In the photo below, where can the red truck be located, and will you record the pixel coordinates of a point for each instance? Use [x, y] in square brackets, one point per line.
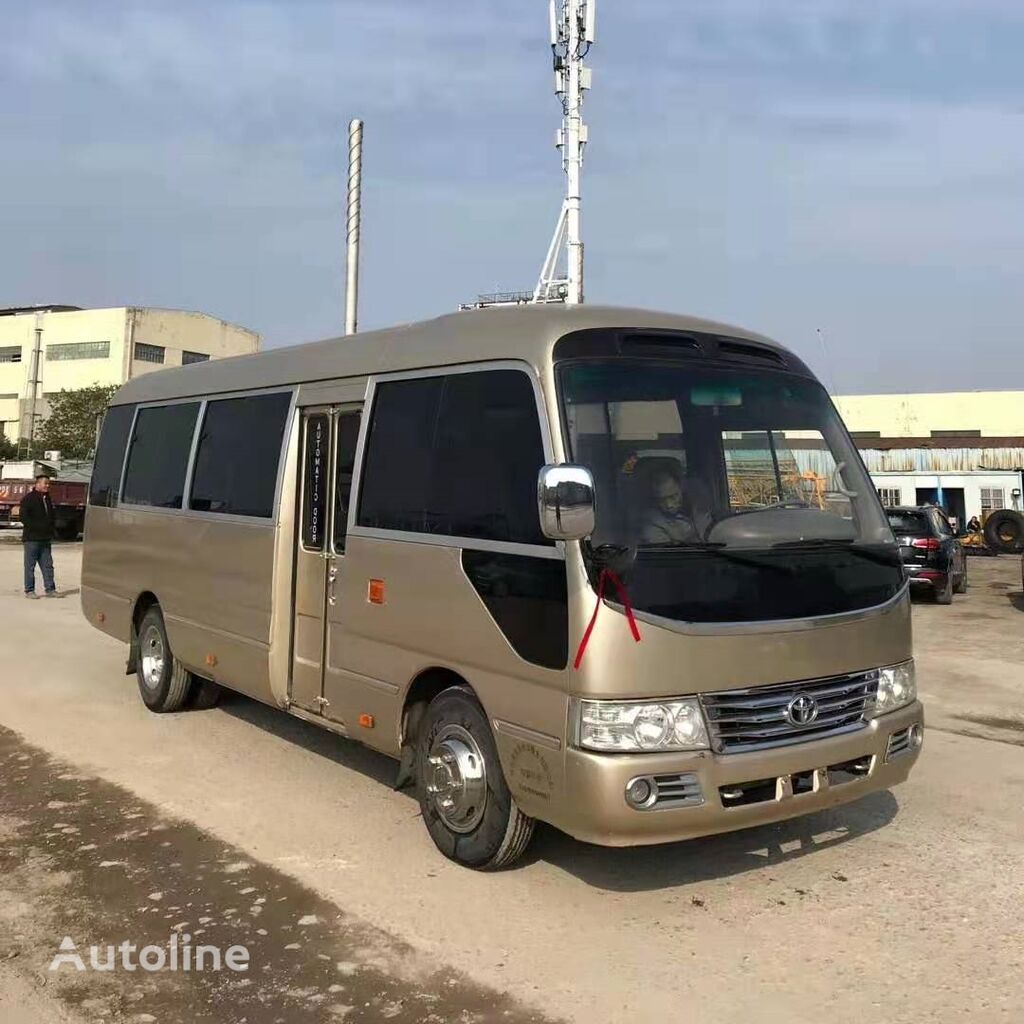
[68, 497]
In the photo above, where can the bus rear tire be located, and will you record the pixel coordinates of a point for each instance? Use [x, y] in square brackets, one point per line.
[163, 683]
[466, 803]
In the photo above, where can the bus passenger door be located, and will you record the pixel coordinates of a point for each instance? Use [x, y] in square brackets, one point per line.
[343, 460]
[329, 439]
[311, 553]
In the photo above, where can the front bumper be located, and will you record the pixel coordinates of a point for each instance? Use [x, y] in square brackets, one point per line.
[596, 810]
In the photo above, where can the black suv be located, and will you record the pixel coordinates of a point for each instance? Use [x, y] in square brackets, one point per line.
[932, 556]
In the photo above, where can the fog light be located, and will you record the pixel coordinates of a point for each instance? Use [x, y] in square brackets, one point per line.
[916, 736]
[639, 792]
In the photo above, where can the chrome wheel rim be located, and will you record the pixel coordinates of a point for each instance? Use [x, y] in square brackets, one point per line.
[456, 779]
[151, 647]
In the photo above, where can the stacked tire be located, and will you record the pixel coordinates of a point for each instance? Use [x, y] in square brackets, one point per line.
[1004, 532]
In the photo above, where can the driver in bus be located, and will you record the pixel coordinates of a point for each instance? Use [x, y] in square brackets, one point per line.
[665, 522]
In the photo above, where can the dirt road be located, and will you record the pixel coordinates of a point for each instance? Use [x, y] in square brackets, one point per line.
[902, 907]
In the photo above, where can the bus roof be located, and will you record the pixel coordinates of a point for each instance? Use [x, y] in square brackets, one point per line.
[526, 332]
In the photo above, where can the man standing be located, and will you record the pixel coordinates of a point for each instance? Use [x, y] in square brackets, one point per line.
[37, 529]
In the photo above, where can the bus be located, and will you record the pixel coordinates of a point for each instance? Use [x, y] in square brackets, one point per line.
[558, 562]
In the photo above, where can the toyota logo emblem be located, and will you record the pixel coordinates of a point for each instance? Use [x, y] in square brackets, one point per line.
[802, 710]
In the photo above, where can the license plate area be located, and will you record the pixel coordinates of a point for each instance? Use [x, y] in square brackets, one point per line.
[797, 784]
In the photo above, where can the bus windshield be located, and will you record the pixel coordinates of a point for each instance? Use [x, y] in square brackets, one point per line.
[737, 494]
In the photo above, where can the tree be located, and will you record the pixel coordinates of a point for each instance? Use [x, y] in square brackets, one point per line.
[8, 449]
[71, 426]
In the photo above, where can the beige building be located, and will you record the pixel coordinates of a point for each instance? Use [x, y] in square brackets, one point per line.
[945, 414]
[82, 347]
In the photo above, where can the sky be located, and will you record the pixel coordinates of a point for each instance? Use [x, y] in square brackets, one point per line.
[846, 176]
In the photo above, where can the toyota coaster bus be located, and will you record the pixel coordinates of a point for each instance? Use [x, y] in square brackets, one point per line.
[619, 571]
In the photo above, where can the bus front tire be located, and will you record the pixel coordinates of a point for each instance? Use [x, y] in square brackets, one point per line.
[204, 694]
[163, 683]
[466, 803]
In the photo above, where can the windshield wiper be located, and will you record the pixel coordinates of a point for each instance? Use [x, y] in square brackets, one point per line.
[719, 548]
[826, 543]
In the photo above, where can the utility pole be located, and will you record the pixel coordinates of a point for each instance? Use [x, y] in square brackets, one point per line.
[572, 34]
[33, 385]
[353, 223]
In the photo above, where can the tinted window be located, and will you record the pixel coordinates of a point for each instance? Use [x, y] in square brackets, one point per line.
[106, 470]
[771, 514]
[909, 524]
[397, 468]
[158, 455]
[345, 450]
[526, 597]
[238, 454]
[314, 481]
[487, 455]
[457, 456]
[942, 525]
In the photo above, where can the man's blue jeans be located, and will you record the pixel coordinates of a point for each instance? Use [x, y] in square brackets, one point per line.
[38, 551]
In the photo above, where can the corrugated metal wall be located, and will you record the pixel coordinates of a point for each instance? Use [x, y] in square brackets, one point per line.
[926, 460]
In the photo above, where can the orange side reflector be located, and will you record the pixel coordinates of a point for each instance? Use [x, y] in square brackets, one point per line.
[100, 617]
[366, 721]
[211, 660]
[375, 592]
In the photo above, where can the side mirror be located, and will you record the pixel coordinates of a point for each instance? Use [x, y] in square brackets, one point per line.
[565, 500]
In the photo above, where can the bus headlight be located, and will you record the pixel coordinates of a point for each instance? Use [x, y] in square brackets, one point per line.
[640, 726]
[897, 687]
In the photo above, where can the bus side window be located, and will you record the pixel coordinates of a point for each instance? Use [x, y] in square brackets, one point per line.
[106, 470]
[345, 448]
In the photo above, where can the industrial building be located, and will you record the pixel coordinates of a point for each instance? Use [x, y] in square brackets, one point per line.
[82, 347]
[950, 414]
[961, 450]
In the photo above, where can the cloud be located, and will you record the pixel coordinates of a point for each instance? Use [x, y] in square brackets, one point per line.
[849, 162]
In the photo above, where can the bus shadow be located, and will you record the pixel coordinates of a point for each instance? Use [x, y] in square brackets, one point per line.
[347, 753]
[626, 869]
[647, 868]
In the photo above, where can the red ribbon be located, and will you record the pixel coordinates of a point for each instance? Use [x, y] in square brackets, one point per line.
[607, 576]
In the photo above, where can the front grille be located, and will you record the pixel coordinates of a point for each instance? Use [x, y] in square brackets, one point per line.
[757, 718]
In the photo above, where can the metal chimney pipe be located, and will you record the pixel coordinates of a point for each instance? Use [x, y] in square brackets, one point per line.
[33, 383]
[355, 184]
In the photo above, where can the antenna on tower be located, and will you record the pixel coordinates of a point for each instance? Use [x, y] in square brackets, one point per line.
[573, 31]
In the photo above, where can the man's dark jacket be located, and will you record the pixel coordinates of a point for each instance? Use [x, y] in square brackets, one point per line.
[36, 517]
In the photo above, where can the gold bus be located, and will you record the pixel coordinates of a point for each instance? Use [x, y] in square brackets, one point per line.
[445, 540]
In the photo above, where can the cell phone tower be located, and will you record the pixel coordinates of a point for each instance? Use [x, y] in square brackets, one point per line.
[572, 35]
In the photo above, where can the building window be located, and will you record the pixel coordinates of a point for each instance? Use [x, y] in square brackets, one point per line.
[10, 354]
[889, 496]
[455, 456]
[237, 458]
[149, 353]
[855, 434]
[158, 455]
[956, 433]
[78, 350]
[991, 499]
[9, 395]
[193, 357]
